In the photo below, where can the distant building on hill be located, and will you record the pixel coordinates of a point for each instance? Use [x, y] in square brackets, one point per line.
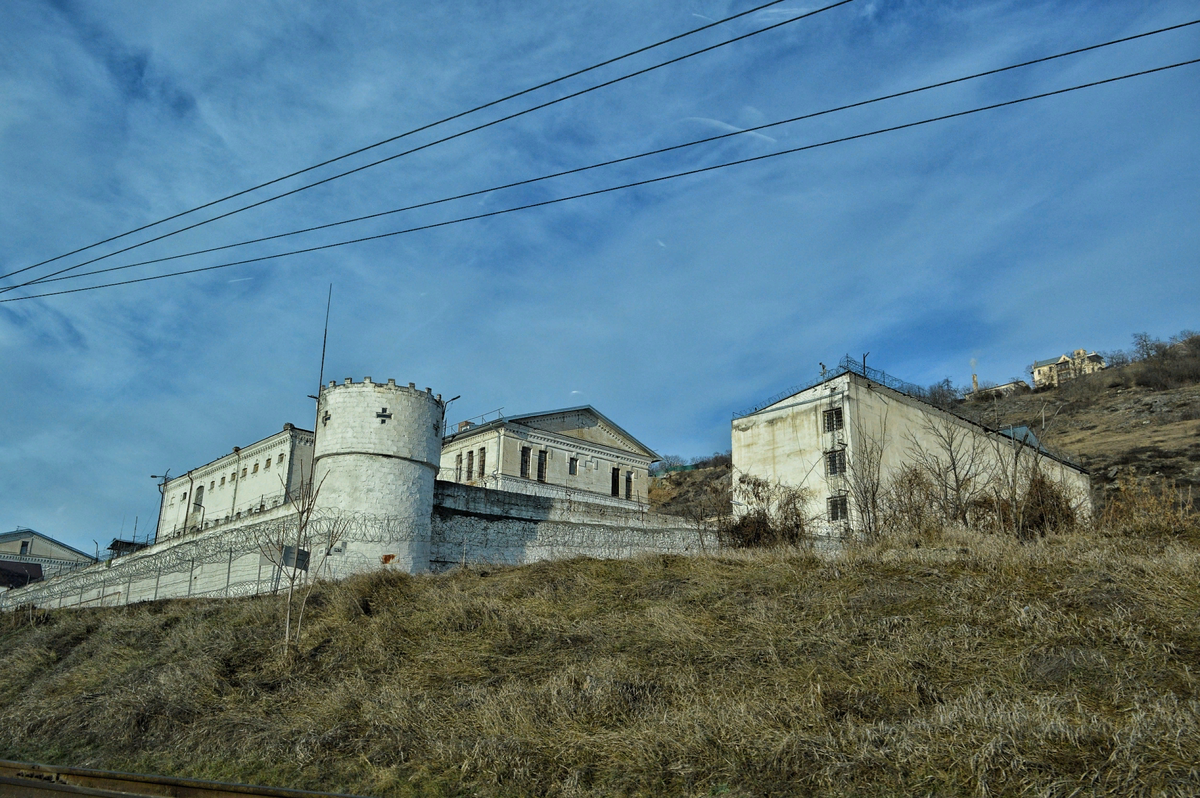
[1055, 371]
[995, 391]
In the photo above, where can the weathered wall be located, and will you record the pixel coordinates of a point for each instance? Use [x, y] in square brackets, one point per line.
[786, 443]
[477, 525]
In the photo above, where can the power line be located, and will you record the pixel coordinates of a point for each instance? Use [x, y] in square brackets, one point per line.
[621, 187]
[438, 141]
[614, 161]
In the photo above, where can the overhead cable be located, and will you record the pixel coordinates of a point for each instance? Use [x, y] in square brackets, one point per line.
[648, 181]
[538, 107]
[611, 162]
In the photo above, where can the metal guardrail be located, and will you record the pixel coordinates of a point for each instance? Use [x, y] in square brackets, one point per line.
[30, 780]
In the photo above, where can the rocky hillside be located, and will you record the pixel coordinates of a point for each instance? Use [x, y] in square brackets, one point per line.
[1111, 427]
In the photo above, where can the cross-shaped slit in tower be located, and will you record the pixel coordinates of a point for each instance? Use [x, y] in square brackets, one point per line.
[383, 415]
[325, 418]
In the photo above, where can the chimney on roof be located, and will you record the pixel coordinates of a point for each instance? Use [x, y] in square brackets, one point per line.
[464, 425]
[974, 383]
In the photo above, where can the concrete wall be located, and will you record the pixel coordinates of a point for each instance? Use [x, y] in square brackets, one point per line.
[468, 524]
[477, 525]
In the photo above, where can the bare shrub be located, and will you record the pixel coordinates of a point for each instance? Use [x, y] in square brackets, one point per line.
[1048, 508]
[1150, 508]
[774, 515]
[910, 502]
[865, 470]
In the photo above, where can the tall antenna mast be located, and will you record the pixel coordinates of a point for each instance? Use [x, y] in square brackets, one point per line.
[324, 340]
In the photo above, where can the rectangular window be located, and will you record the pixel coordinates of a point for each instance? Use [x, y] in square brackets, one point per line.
[616, 482]
[470, 465]
[243, 472]
[233, 477]
[458, 467]
[833, 419]
[541, 465]
[222, 482]
[573, 466]
[212, 483]
[24, 547]
[628, 484]
[837, 509]
[525, 451]
[267, 467]
[835, 462]
[482, 461]
[255, 471]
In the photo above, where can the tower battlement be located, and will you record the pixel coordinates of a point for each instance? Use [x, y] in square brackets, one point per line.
[391, 383]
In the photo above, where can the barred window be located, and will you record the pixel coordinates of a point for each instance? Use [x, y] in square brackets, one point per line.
[470, 465]
[833, 419]
[573, 466]
[541, 474]
[458, 467]
[482, 461]
[838, 511]
[525, 456]
[835, 462]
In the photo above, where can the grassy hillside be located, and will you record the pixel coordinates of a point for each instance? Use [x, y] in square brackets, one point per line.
[954, 665]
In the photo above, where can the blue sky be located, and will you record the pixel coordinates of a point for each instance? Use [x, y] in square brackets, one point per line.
[1003, 237]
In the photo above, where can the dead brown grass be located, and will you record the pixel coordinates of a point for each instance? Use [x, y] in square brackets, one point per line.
[959, 664]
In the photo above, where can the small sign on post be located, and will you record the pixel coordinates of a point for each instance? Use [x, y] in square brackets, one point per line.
[295, 558]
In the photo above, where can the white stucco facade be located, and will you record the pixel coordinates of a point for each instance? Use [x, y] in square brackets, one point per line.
[813, 439]
[561, 453]
[246, 482]
[368, 475]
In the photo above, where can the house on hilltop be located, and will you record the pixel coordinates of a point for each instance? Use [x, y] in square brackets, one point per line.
[847, 437]
[1055, 371]
[576, 450]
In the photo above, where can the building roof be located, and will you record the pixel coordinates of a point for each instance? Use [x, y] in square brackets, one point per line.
[914, 393]
[529, 419]
[1037, 364]
[21, 533]
[287, 428]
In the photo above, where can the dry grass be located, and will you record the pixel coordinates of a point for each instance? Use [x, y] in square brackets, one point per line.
[965, 665]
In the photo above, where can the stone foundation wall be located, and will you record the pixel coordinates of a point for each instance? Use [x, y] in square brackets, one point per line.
[477, 525]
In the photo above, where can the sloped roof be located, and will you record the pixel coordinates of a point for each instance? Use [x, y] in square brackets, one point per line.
[530, 419]
[21, 533]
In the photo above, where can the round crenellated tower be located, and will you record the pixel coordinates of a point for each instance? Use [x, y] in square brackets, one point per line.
[376, 454]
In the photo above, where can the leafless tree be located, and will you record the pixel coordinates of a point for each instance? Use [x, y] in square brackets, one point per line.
[864, 466]
[286, 545]
[953, 459]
